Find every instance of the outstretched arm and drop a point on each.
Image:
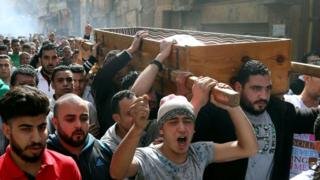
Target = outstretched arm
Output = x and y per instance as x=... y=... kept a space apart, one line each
x=145 y=80
x=122 y=163
x=246 y=145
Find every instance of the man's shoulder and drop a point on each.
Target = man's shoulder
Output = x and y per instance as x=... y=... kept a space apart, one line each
x=3 y=88
x=276 y=103
x=58 y=158
x=2 y=160
x=53 y=144
x=100 y=148
x=103 y=147
x=63 y=165
x=110 y=138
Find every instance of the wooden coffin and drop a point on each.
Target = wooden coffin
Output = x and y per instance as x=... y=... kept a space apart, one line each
x=220 y=56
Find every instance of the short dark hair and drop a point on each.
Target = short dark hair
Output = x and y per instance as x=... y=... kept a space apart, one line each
x=26 y=70
x=118 y=97
x=4 y=56
x=249 y=68
x=15 y=41
x=77 y=68
x=23 y=101
x=315 y=52
x=26 y=46
x=59 y=68
x=129 y=79
x=6 y=41
x=47 y=47
x=3 y=47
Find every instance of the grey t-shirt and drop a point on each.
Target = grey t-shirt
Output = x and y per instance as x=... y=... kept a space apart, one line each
x=153 y=165
x=113 y=140
x=260 y=165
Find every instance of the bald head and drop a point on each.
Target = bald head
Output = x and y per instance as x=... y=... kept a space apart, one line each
x=71 y=99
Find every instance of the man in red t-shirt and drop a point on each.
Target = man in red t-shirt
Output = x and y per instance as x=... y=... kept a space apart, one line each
x=23 y=111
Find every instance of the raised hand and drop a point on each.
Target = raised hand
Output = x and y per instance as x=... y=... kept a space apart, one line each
x=200 y=92
x=139 y=110
x=137 y=40
x=181 y=83
x=165 y=49
x=212 y=99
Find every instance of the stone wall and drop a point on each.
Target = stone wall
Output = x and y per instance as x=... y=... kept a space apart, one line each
x=277 y=18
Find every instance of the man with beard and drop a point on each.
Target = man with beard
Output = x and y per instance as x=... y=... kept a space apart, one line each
x=176 y=157
x=274 y=122
x=62 y=83
x=48 y=60
x=23 y=111
x=71 y=120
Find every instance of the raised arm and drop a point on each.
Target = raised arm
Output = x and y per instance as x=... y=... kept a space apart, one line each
x=122 y=163
x=246 y=145
x=145 y=80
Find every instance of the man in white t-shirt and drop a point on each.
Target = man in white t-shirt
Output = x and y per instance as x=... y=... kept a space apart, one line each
x=176 y=157
x=303 y=153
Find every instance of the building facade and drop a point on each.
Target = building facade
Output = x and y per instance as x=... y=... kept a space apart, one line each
x=295 y=19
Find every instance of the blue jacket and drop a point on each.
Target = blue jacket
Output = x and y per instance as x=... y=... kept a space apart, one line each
x=94 y=160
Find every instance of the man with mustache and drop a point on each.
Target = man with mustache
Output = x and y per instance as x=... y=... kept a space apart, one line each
x=274 y=122
x=176 y=157
x=23 y=110
x=71 y=120
x=48 y=60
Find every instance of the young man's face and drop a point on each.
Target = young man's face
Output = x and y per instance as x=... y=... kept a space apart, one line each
x=5 y=68
x=62 y=83
x=15 y=47
x=79 y=83
x=177 y=134
x=27 y=136
x=72 y=123
x=255 y=93
x=124 y=119
x=67 y=53
x=25 y=59
x=49 y=60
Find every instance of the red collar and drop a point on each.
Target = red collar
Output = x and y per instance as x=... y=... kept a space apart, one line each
x=16 y=172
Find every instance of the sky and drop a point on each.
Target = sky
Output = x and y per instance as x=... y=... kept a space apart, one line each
x=14 y=22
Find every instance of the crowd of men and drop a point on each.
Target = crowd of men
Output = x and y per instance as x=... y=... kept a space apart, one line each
x=62 y=120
